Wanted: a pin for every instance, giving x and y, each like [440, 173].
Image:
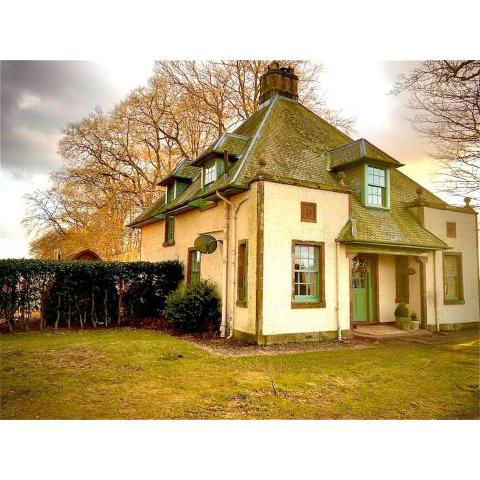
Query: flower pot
[415, 324]
[403, 322]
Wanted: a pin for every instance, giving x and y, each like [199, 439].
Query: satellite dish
[206, 244]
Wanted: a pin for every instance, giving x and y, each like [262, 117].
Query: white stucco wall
[189, 225]
[282, 225]
[387, 288]
[187, 228]
[465, 243]
[414, 285]
[244, 317]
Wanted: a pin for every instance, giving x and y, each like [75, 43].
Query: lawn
[141, 374]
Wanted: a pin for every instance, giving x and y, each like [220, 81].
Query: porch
[380, 279]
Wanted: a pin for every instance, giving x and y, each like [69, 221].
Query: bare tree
[445, 98]
[228, 92]
[114, 161]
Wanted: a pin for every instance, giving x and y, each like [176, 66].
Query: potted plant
[402, 320]
[415, 322]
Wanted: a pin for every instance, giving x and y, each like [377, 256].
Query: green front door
[363, 291]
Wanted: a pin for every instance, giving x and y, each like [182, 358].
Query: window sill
[241, 304]
[308, 305]
[168, 244]
[376, 207]
[454, 302]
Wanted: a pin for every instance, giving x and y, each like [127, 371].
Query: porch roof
[394, 226]
[386, 249]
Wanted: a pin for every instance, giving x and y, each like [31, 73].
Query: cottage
[317, 233]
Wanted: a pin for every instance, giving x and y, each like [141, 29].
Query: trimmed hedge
[194, 309]
[81, 292]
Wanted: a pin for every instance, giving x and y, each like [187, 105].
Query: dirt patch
[77, 358]
[223, 347]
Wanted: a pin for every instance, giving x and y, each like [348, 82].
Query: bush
[194, 309]
[81, 293]
[413, 317]
[401, 310]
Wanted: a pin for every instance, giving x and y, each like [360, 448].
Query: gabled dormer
[367, 170]
[216, 161]
[178, 181]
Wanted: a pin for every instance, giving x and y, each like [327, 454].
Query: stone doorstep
[376, 332]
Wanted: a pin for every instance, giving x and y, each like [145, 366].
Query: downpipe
[229, 205]
[435, 296]
[226, 221]
[236, 207]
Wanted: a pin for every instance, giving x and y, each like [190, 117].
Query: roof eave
[365, 158]
[228, 190]
[392, 244]
[171, 178]
[204, 157]
[147, 221]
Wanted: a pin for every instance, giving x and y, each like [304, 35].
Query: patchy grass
[143, 374]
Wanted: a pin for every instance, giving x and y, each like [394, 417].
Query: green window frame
[212, 171]
[169, 231]
[210, 174]
[194, 266]
[308, 274]
[452, 278]
[377, 187]
[174, 190]
[170, 193]
[180, 187]
[242, 273]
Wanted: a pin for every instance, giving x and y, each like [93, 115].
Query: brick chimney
[278, 80]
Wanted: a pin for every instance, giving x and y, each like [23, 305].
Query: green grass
[140, 374]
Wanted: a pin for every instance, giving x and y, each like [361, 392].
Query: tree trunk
[57, 320]
[120, 302]
[80, 318]
[42, 310]
[105, 307]
[94, 322]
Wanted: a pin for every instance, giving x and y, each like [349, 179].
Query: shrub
[401, 310]
[413, 317]
[194, 309]
[68, 292]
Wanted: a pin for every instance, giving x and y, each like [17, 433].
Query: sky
[39, 98]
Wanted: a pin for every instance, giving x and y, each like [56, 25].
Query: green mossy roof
[150, 213]
[359, 150]
[394, 226]
[184, 170]
[284, 141]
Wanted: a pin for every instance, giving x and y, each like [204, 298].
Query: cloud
[38, 99]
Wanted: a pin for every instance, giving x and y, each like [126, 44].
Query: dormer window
[210, 172]
[175, 189]
[368, 170]
[377, 192]
[170, 193]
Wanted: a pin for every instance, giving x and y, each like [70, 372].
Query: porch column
[423, 289]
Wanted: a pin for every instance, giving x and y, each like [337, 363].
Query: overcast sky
[38, 98]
